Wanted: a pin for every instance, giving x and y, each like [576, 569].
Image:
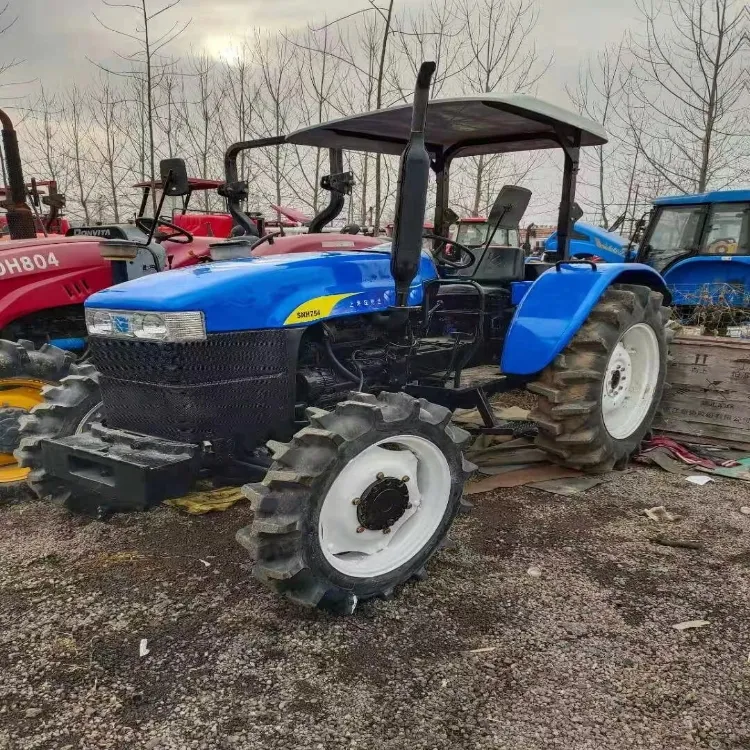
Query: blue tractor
[346, 364]
[699, 243]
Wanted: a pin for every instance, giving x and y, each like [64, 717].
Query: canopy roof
[196, 183]
[464, 126]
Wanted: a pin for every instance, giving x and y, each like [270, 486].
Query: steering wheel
[269, 238]
[145, 224]
[467, 256]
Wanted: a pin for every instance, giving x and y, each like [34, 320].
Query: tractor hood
[269, 292]
[590, 240]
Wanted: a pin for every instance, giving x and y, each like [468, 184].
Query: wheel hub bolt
[355, 501]
[387, 530]
[360, 529]
[404, 479]
[380, 475]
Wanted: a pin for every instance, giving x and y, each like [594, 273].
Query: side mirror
[175, 184]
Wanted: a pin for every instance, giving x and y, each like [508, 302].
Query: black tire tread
[569, 405]
[282, 500]
[63, 405]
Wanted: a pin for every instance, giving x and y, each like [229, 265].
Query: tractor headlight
[146, 326]
[99, 322]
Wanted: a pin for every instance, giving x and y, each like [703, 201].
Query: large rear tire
[24, 373]
[357, 503]
[68, 409]
[598, 398]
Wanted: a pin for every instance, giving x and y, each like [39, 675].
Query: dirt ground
[481, 655]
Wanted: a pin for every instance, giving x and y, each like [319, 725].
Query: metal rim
[630, 381]
[365, 552]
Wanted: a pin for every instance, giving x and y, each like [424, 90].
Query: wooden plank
[709, 394]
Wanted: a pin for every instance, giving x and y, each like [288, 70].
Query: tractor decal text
[27, 263]
[315, 309]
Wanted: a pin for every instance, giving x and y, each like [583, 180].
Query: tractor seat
[497, 264]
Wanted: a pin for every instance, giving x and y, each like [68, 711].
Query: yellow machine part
[17, 393]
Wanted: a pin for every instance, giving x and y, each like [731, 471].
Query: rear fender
[557, 305]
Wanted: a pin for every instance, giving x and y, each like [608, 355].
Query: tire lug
[360, 529]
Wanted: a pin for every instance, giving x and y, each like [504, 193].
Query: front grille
[230, 386]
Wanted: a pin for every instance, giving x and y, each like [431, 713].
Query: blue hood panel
[607, 245]
[269, 292]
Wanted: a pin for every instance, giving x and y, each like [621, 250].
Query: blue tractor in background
[699, 243]
[346, 365]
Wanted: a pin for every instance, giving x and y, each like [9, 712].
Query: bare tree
[145, 65]
[598, 95]
[274, 59]
[689, 75]
[76, 118]
[110, 144]
[242, 92]
[501, 56]
[201, 115]
[432, 33]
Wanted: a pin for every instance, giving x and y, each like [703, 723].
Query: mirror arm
[165, 188]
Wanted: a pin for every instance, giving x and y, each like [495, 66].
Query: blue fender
[557, 304]
[710, 279]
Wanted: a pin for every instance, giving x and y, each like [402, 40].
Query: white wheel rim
[630, 381]
[370, 553]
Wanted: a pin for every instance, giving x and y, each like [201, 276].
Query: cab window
[728, 230]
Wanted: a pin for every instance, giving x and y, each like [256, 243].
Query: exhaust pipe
[20, 219]
[411, 194]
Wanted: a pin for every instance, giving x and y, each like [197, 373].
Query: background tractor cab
[699, 243]
[472, 232]
[197, 222]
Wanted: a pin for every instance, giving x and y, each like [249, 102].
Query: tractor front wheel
[357, 503]
[24, 373]
[598, 398]
[69, 408]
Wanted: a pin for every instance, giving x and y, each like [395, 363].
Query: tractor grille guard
[232, 389]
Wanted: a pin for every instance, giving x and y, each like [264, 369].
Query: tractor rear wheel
[69, 408]
[24, 373]
[357, 502]
[598, 398]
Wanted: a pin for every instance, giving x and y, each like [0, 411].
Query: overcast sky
[55, 38]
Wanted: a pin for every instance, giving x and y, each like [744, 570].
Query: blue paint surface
[518, 290]
[716, 196]
[710, 279]
[557, 305]
[609, 246]
[70, 345]
[255, 293]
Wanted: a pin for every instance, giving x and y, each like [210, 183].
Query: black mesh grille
[237, 386]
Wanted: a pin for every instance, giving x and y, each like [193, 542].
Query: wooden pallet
[709, 395]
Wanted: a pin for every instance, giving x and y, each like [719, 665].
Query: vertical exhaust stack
[20, 219]
[411, 195]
